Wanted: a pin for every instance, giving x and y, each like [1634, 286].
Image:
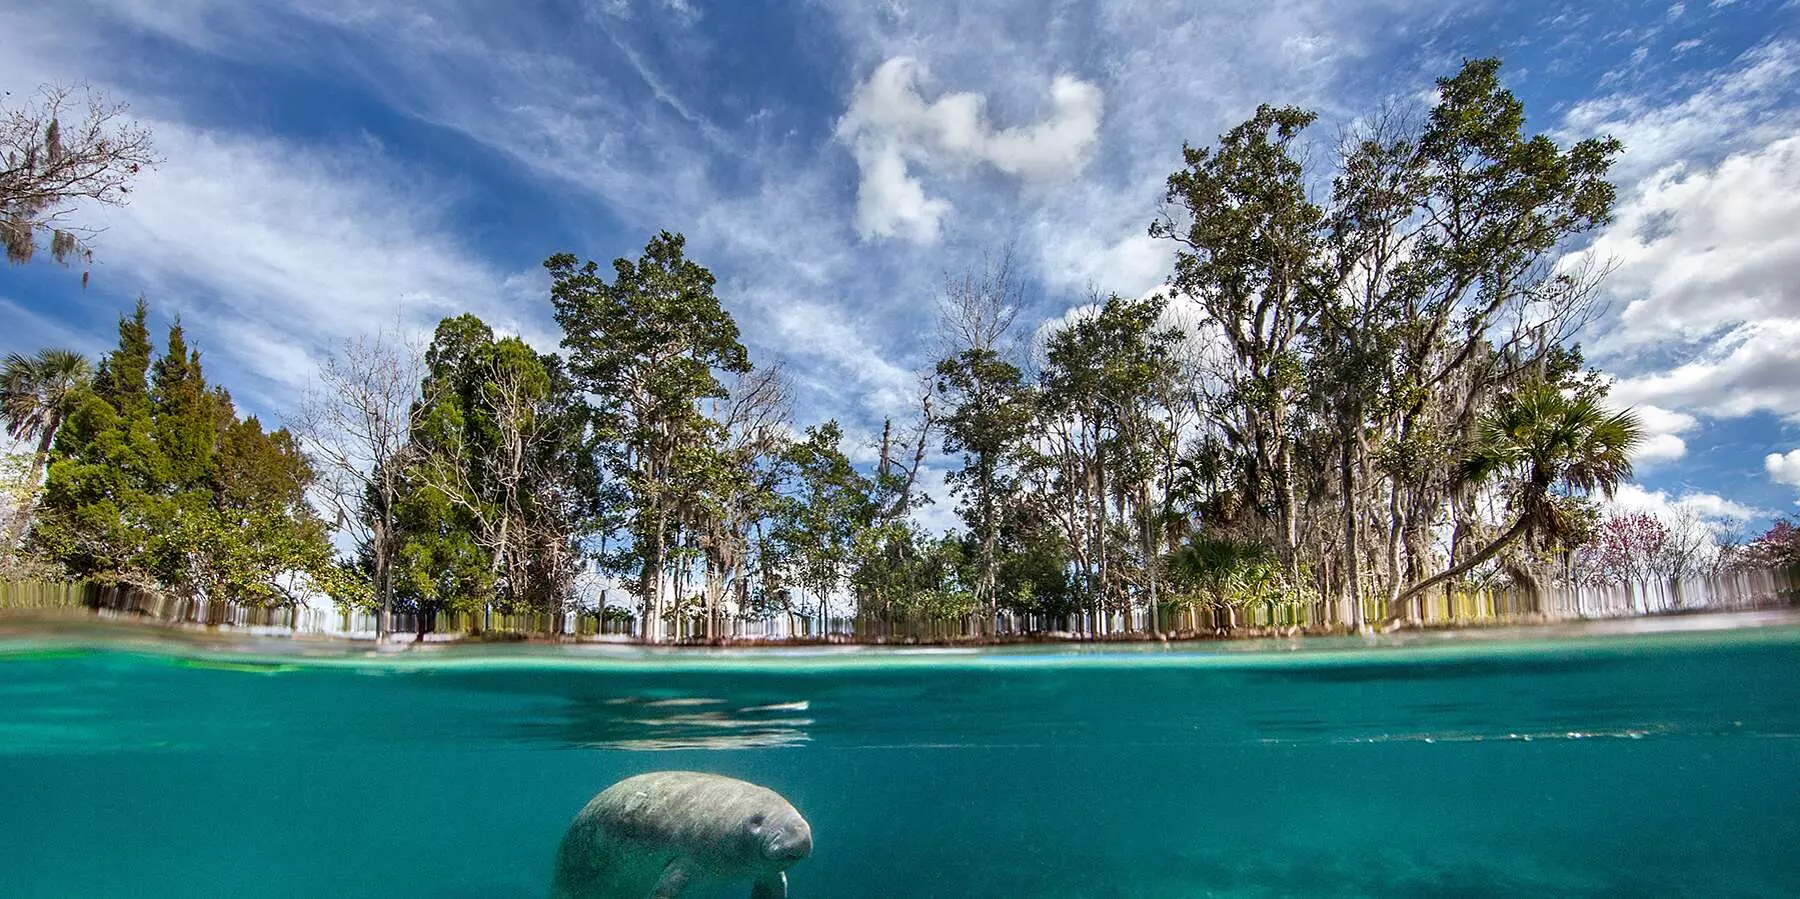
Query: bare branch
[67, 146]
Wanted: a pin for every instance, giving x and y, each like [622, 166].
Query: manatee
[654, 835]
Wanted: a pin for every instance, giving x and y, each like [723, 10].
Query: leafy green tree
[37, 394]
[1106, 404]
[989, 411]
[727, 512]
[650, 346]
[495, 501]
[827, 506]
[156, 480]
[1248, 254]
[902, 575]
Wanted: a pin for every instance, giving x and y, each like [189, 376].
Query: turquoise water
[1646, 759]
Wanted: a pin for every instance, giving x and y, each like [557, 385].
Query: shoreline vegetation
[1358, 403]
[32, 607]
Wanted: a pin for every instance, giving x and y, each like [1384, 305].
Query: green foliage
[823, 512]
[902, 573]
[1547, 441]
[989, 416]
[649, 346]
[492, 510]
[1227, 573]
[39, 391]
[37, 394]
[157, 481]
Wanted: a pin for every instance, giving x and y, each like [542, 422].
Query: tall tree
[1105, 396]
[650, 345]
[356, 426]
[500, 446]
[157, 481]
[987, 418]
[741, 493]
[828, 506]
[1248, 238]
[37, 394]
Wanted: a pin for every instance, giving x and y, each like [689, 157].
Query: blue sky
[334, 166]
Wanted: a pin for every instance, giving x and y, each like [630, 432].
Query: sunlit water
[1642, 759]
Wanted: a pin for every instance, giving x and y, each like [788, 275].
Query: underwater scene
[1650, 757]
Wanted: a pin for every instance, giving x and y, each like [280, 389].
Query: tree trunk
[1487, 552]
[1351, 575]
[650, 584]
[384, 578]
[21, 523]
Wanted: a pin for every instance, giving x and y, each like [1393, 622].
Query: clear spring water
[1645, 759]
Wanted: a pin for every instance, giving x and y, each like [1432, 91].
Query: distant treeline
[1345, 398]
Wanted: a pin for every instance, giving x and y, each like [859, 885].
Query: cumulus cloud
[1704, 242]
[1784, 467]
[1662, 431]
[1707, 507]
[890, 127]
[1702, 250]
[1751, 369]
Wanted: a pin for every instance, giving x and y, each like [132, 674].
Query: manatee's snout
[790, 842]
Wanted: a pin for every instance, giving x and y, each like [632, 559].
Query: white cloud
[1705, 241]
[1743, 106]
[1661, 434]
[1751, 369]
[1707, 507]
[1701, 250]
[1784, 467]
[889, 126]
[271, 250]
[275, 252]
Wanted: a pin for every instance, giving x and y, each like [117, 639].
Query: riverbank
[39, 604]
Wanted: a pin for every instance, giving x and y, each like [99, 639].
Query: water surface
[1647, 758]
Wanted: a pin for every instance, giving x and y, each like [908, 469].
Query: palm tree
[1553, 445]
[37, 394]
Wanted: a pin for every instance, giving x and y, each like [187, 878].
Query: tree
[827, 507]
[1542, 445]
[156, 480]
[1248, 254]
[356, 426]
[987, 411]
[1108, 426]
[63, 148]
[37, 394]
[1228, 575]
[1639, 547]
[650, 346]
[494, 494]
[727, 516]
[1778, 547]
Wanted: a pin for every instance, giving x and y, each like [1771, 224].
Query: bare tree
[978, 308]
[66, 146]
[355, 426]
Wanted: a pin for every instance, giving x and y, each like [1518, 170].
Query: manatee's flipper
[772, 885]
[674, 879]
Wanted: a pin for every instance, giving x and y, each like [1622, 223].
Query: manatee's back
[624, 838]
[597, 861]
